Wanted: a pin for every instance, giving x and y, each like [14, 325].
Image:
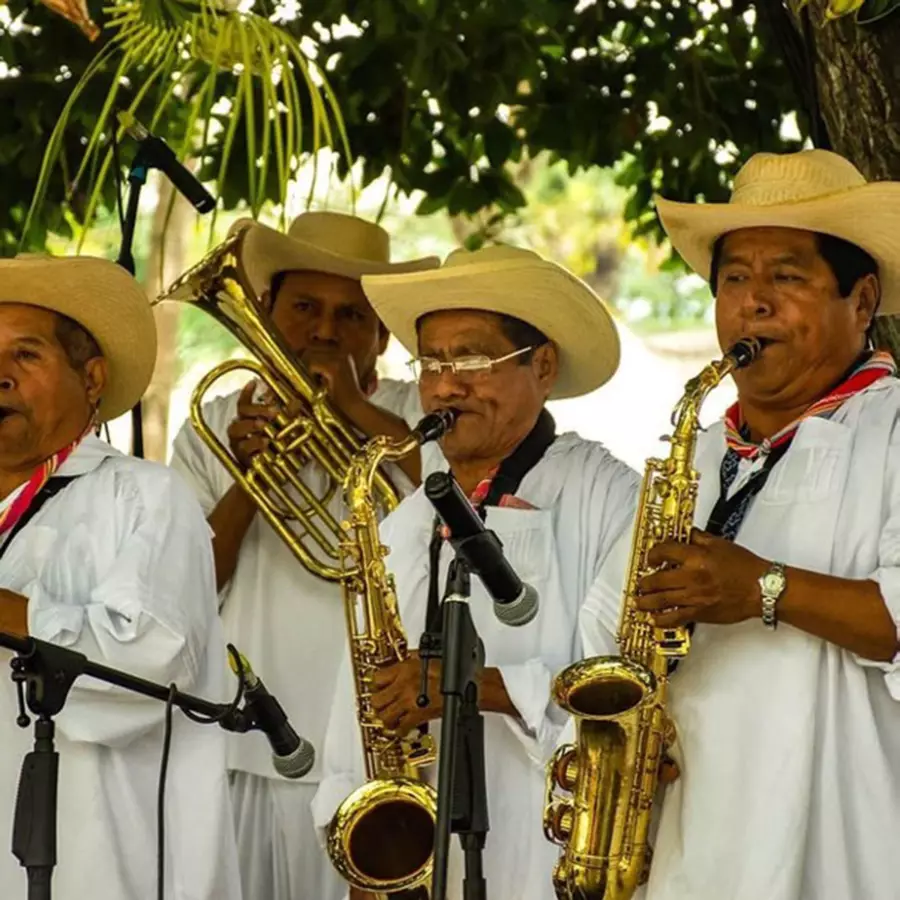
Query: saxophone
[622, 727]
[381, 839]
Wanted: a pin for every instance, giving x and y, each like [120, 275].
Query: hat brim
[265, 252]
[107, 302]
[539, 292]
[868, 216]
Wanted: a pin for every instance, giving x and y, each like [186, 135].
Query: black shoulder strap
[50, 489]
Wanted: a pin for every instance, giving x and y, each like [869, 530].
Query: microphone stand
[137, 178]
[462, 789]
[44, 673]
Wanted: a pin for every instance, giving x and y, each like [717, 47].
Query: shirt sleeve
[342, 754]
[194, 461]
[151, 612]
[887, 575]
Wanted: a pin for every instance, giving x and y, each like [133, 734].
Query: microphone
[292, 756]
[155, 153]
[515, 602]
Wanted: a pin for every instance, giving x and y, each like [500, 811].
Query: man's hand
[246, 434]
[13, 613]
[337, 373]
[708, 580]
[398, 686]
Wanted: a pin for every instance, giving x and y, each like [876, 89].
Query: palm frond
[195, 54]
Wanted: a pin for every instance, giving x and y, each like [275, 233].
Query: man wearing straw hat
[786, 706]
[290, 623]
[495, 334]
[108, 556]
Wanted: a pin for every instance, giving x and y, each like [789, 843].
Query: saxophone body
[609, 776]
[316, 434]
[381, 839]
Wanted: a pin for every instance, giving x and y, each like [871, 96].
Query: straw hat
[517, 283]
[329, 242]
[106, 301]
[813, 190]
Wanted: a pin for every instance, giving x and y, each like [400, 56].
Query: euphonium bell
[317, 434]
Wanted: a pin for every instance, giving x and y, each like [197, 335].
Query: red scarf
[879, 365]
[39, 477]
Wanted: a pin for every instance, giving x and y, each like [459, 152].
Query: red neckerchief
[879, 365]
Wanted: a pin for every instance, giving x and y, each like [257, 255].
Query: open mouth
[7, 412]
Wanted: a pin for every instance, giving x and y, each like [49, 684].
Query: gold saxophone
[619, 702]
[219, 286]
[381, 838]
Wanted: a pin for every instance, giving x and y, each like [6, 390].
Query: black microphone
[155, 153]
[515, 602]
[435, 425]
[292, 755]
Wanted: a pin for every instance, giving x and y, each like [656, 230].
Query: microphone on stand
[155, 153]
[292, 755]
[515, 602]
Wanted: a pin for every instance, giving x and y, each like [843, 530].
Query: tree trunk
[858, 76]
[167, 245]
[858, 83]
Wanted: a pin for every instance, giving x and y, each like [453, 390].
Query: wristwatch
[772, 585]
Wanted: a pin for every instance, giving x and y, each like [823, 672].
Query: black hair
[277, 281]
[77, 342]
[847, 261]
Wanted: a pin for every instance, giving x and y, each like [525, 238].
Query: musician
[289, 622]
[108, 556]
[785, 707]
[496, 333]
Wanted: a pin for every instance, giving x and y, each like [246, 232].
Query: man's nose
[324, 329]
[759, 301]
[447, 385]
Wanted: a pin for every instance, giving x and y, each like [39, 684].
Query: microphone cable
[164, 762]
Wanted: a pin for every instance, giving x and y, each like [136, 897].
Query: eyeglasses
[462, 366]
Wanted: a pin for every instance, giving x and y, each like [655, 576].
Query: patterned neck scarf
[39, 477]
[872, 368]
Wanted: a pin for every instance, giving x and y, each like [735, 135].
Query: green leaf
[430, 205]
[499, 139]
[874, 10]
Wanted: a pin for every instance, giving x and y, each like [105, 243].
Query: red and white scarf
[879, 365]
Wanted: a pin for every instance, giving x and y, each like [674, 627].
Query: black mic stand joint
[462, 789]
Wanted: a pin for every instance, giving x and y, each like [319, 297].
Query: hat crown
[768, 179]
[342, 235]
[496, 253]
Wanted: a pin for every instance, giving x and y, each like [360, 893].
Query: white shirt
[288, 623]
[583, 497]
[118, 567]
[789, 746]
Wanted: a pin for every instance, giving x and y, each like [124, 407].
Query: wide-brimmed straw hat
[106, 301]
[329, 242]
[813, 190]
[514, 282]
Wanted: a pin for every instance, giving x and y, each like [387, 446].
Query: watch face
[772, 581]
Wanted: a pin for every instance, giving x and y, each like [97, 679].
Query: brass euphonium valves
[610, 774]
[316, 434]
[381, 839]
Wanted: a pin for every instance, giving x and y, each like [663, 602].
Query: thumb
[702, 538]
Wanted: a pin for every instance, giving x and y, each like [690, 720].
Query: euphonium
[381, 838]
[619, 702]
[219, 286]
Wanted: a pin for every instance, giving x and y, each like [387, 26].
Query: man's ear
[867, 298]
[266, 301]
[96, 373]
[384, 337]
[545, 362]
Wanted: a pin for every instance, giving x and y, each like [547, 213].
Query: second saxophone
[619, 702]
[381, 838]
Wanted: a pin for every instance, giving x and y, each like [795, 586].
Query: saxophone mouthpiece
[435, 425]
[747, 350]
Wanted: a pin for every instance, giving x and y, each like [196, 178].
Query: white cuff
[528, 686]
